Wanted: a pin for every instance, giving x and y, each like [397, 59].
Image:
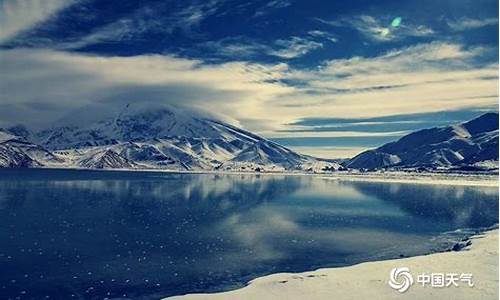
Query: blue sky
[330, 78]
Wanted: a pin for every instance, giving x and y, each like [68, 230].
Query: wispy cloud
[270, 6]
[323, 34]
[331, 134]
[193, 15]
[136, 25]
[125, 29]
[294, 47]
[240, 47]
[237, 47]
[385, 124]
[468, 23]
[19, 15]
[380, 29]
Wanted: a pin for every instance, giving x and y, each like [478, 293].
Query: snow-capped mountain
[106, 159]
[140, 122]
[156, 137]
[16, 152]
[12, 157]
[467, 144]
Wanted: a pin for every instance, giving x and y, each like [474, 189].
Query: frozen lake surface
[67, 234]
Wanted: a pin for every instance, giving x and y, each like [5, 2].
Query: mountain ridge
[467, 143]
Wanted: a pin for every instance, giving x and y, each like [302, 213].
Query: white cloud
[148, 19]
[19, 15]
[48, 83]
[44, 85]
[270, 6]
[239, 47]
[327, 134]
[236, 47]
[294, 47]
[323, 34]
[194, 14]
[380, 30]
[468, 23]
[423, 78]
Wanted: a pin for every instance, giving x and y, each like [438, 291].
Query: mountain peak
[484, 123]
[158, 136]
[466, 144]
[139, 121]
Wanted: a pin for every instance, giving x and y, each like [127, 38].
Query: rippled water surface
[142, 235]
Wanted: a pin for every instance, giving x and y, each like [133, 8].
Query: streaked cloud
[240, 47]
[323, 34]
[294, 47]
[152, 18]
[194, 14]
[469, 23]
[19, 15]
[360, 141]
[394, 124]
[413, 118]
[271, 6]
[330, 134]
[236, 47]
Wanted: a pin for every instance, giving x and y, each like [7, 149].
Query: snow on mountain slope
[463, 144]
[373, 159]
[106, 159]
[161, 137]
[160, 153]
[12, 157]
[265, 153]
[137, 122]
[36, 152]
[17, 152]
[6, 136]
[269, 156]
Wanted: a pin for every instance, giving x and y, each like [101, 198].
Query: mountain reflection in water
[145, 235]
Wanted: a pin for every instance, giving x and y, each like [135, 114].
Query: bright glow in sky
[396, 22]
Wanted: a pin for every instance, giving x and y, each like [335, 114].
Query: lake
[69, 234]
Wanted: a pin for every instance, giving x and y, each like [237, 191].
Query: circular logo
[400, 279]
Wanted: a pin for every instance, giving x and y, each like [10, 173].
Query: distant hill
[473, 143]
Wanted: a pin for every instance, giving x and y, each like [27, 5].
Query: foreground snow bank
[369, 280]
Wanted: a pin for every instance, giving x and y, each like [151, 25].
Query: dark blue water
[97, 235]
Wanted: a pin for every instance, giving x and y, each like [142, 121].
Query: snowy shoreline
[442, 178]
[422, 178]
[369, 280]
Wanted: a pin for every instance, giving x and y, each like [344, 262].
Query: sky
[327, 78]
